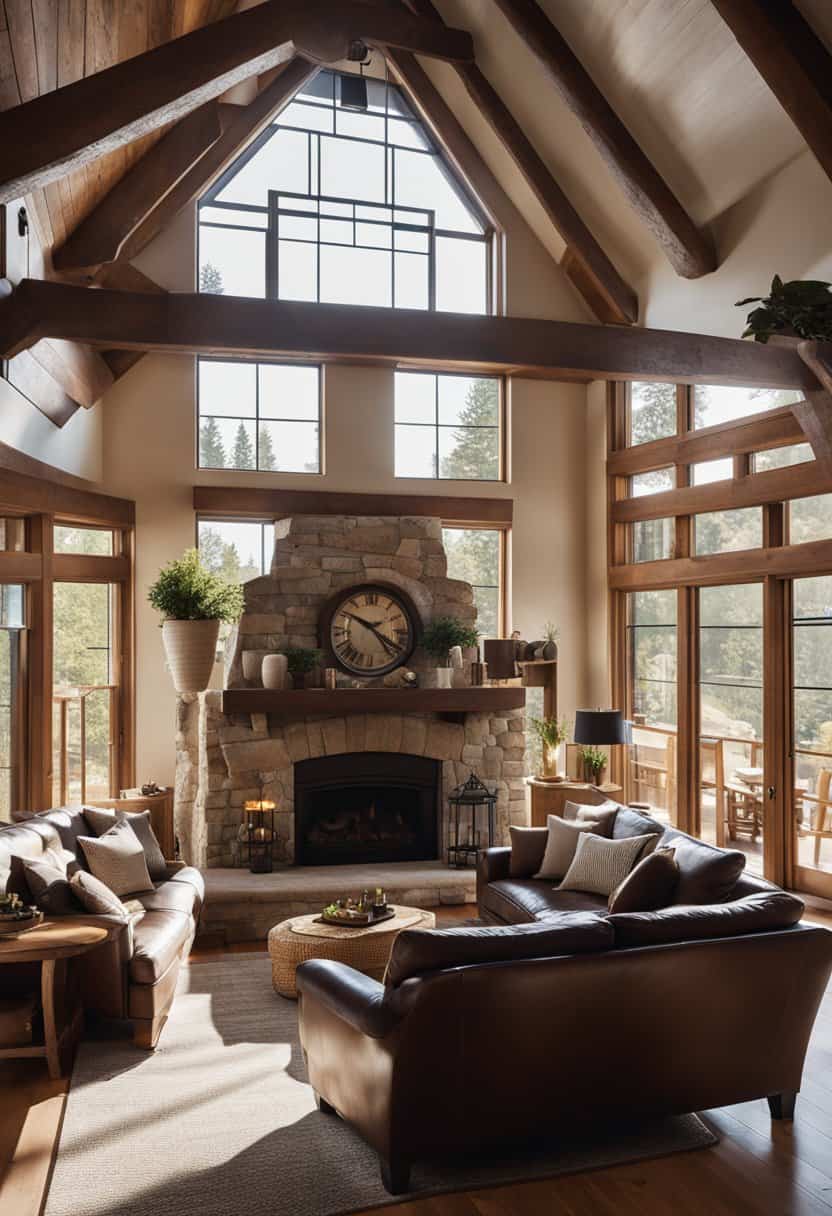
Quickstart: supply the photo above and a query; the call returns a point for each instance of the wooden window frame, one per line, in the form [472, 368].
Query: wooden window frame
[504, 573]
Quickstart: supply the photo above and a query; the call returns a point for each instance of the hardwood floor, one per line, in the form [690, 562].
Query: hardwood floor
[759, 1167]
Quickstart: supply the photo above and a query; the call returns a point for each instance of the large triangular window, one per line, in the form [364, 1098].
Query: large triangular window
[342, 205]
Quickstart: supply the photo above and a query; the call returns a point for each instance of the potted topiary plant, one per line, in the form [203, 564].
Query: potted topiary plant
[801, 309]
[594, 762]
[193, 602]
[302, 661]
[438, 638]
[551, 732]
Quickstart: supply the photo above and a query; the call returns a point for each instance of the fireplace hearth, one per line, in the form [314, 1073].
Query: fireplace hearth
[366, 807]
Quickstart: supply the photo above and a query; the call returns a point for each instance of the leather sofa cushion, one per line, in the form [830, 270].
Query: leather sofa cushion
[527, 848]
[191, 876]
[416, 951]
[650, 885]
[707, 875]
[157, 939]
[633, 823]
[170, 897]
[754, 914]
[518, 901]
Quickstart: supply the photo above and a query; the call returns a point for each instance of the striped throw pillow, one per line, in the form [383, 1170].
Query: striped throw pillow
[600, 864]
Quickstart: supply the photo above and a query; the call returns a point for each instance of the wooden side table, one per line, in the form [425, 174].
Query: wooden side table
[551, 797]
[52, 944]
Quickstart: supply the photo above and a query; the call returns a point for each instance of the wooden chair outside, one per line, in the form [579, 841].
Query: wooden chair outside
[819, 805]
[653, 780]
[712, 777]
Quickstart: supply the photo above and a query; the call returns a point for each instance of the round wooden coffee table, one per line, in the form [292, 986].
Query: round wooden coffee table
[294, 941]
[51, 943]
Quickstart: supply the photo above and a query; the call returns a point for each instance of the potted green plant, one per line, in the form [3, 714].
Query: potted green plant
[193, 601]
[301, 661]
[439, 636]
[549, 650]
[800, 309]
[551, 732]
[594, 762]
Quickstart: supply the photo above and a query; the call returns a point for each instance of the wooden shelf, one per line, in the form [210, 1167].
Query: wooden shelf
[446, 701]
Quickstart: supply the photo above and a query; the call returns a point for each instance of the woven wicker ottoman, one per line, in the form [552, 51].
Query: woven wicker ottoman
[368, 949]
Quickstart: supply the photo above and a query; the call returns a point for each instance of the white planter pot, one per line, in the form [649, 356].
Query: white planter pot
[190, 649]
[251, 665]
[275, 671]
[436, 677]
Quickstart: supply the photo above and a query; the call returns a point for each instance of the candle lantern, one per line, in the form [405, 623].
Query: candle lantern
[260, 835]
[473, 795]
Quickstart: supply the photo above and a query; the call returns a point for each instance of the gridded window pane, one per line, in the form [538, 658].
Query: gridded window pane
[652, 411]
[311, 118]
[653, 482]
[411, 282]
[812, 701]
[716, 403]
[810, 518]
[782, 458]
[297, 271]
[461, 416]
[232, 262]
[651, 673]
[360, 126]
[11, 692]
[281, 163]
[227, 389]
[468, 401]
[652, 540]
[706, 471]
[82, 699]
[415, 397]
[239, 441]
[355, 276]
[474, 556]
[83, 540]
[728, 531]
[235, 218]
[415, 451]
[461, 275]
[289, 391]
[350, 169]
[420, 181]
[12, 606]
[469, 453]
[289, 447]
[239, 550]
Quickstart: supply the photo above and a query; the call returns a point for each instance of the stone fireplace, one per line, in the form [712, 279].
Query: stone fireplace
[348, 786]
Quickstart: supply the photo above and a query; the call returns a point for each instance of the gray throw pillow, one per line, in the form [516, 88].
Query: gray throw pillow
[527, 848]
[605, 815]
[600, 865]
[102, 820]
[96, 897]
[650, 885]
[561, 844]
[48, 882]
[118, 859]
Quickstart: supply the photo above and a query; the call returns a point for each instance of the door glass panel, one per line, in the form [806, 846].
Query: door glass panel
[11, 698]
[731, 719]
[812, 712]
[651, 679]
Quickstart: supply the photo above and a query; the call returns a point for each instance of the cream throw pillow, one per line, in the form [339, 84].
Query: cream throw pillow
[102, 820]
[117, 859]
[561, 845]
[600, 865]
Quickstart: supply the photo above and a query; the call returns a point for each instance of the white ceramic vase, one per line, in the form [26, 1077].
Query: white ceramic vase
[275, 671]
[251, 666]
[191, 650]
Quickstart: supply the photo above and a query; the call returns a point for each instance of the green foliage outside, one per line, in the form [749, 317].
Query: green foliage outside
[475, 455]
[242, 454]
[223, 557]
[444, 632]
[82, 657]
[474, 557]
[186, 590]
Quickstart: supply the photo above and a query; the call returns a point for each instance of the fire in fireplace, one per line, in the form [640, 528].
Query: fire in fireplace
[366, 807]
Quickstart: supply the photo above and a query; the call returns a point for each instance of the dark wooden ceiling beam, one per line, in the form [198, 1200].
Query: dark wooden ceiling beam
[618, 301]
[257, 500]
[51, 135]
[689, 250]
[471, 165]
[792, 61]
[560, 350]
[243, 127]
[100, 237]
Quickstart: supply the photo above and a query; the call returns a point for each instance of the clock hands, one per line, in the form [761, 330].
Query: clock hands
[389, 646]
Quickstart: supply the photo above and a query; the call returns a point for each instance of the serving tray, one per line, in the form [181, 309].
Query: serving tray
[361, 921]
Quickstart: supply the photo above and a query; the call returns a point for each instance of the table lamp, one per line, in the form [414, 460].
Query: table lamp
[602, 727]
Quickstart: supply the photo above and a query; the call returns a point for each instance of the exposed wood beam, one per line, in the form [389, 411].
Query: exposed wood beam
[618, 302]
[792, 61]
[53, 134]
[34, 487]
[818, 356]
[560, 350]
[253, 500]
[31, 379]
[748, 565]
[690, 251]
[101, 235]
[242, 128]
[815, 413]
[773, 485]
[772, 429]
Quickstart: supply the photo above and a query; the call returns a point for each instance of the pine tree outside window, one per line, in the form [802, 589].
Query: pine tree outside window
[344, 206]
[448, 427]
[265, 417]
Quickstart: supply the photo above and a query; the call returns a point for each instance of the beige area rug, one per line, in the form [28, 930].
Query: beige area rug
[219, 1120]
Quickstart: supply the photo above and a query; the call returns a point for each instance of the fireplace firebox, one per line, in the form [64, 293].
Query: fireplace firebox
[366, 807]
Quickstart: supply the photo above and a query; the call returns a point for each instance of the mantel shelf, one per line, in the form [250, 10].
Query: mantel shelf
[480, 699]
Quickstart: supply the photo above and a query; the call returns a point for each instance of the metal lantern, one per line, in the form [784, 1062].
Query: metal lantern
[260, 835]
[476, 796]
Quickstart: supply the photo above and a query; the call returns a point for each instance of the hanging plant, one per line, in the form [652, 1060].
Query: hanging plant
[801, 309]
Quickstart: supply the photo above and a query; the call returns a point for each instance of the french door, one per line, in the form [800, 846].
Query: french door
[809, 723]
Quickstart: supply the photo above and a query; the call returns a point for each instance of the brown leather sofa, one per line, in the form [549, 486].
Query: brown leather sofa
[133, 974]
[482, 1038]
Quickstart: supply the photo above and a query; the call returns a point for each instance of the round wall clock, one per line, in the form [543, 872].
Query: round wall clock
[370, 629]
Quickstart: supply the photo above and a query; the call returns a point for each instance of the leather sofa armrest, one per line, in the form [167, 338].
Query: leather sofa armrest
[493, 864]
[353, 997]
[119, 930]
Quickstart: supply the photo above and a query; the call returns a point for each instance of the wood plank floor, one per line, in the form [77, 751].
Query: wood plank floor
[759, 1168]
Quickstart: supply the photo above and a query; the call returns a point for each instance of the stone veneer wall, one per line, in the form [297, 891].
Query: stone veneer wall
[223, 760]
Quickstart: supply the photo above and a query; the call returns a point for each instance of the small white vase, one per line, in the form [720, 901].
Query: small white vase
[275, 671]
[251, 666]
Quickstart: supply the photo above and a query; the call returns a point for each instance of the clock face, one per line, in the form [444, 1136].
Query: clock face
[371, 631]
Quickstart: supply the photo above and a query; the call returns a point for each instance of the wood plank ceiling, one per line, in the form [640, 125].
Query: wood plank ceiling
[48, 43]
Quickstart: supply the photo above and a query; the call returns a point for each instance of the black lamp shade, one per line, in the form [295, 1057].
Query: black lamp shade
[600, 727]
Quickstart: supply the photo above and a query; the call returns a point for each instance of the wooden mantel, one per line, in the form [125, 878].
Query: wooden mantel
[301, 703]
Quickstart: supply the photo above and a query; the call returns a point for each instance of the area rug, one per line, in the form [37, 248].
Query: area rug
[220, 1119]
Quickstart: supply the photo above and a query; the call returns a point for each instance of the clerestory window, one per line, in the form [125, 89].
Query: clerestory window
[339, 205]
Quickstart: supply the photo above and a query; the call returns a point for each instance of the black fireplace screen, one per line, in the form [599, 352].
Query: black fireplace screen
[366, 806]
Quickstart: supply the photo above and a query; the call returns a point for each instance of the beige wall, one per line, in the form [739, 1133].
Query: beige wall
[74, 448]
